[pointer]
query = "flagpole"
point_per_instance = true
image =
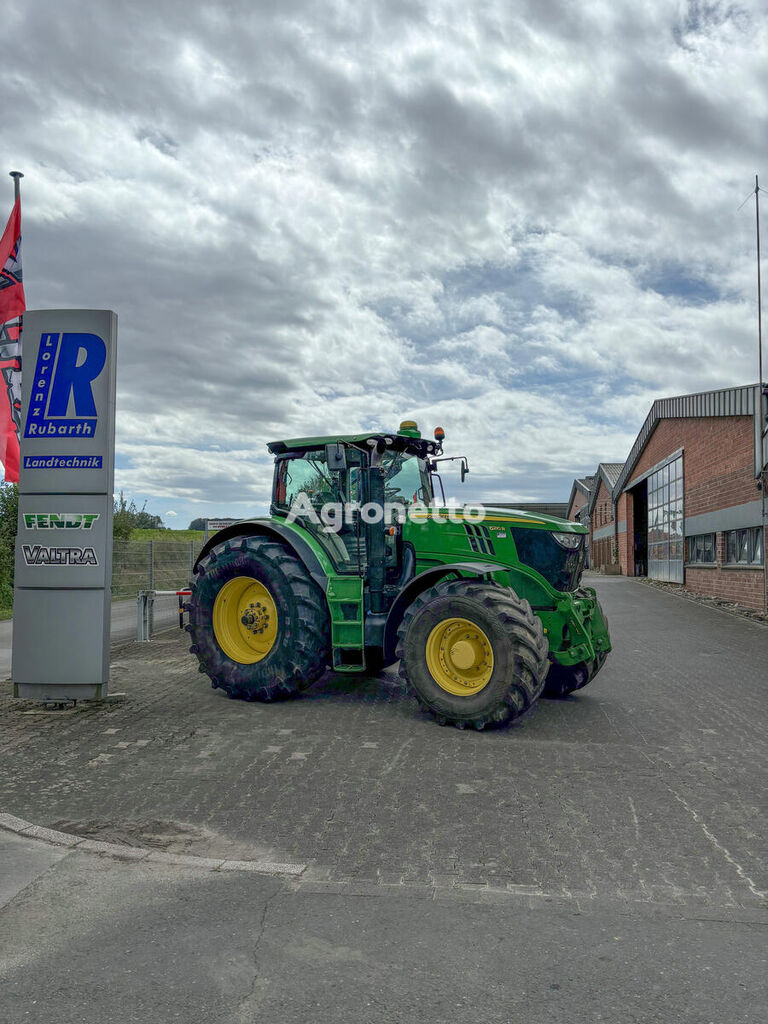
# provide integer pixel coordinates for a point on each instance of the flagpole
(763, 475)
(16, 175)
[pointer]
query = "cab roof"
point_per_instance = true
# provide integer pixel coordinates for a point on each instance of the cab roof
(394, 440)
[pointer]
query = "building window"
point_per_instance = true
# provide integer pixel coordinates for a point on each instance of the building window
(744, 547)
(700, 549)
(665, 522)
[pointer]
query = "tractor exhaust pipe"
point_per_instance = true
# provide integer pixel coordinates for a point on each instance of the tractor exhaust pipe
(375, 542)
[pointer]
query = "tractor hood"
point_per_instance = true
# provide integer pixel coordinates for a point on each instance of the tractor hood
(554, 548)
(518, 517)
(497, 516)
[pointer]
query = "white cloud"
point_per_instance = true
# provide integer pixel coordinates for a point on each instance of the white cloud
(515, 219)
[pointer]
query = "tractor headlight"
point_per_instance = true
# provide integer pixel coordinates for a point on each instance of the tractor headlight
(569, 540)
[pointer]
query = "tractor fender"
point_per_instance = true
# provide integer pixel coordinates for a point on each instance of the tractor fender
(418, 585)
(251, 528)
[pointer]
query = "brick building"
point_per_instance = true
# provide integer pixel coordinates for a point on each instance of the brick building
(578, 505)
(686, 506)
(604, 527)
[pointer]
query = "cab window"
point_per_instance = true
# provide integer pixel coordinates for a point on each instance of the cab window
(406, 480)
(306, 475)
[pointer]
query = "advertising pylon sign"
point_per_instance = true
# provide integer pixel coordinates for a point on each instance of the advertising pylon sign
(63, 570)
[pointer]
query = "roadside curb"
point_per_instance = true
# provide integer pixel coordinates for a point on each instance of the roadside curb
(10, 823)
(438, 890)
(702, 600)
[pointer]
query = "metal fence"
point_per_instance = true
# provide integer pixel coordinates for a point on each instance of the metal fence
(152, 565)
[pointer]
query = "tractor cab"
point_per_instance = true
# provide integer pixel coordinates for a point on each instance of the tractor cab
(333, 484)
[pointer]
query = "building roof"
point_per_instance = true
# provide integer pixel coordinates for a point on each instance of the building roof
(740, 401)
(609, 473)
(558, 509)
(583, 484)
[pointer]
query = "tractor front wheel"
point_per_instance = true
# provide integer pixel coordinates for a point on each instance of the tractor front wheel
(473, 653)
(259, 623)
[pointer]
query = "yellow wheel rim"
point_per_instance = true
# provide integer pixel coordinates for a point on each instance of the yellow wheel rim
(245, 620)
(459, 657)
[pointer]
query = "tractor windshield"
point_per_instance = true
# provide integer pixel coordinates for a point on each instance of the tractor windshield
(406, 478)
(307, 477)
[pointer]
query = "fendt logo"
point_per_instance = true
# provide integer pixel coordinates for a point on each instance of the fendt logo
(60, 520)
(61, 398)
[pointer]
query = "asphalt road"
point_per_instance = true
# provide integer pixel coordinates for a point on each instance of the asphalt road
(123, 626)
(603, 860)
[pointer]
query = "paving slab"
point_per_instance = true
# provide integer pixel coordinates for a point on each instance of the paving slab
(647, 786)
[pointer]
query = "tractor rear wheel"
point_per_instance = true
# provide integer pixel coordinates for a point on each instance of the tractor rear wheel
(473, 653)
(259, 623)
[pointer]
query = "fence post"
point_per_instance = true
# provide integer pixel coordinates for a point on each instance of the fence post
(151, 608)
(144, 603)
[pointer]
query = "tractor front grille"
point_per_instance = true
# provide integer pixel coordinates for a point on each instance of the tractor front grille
(479, 538)
(560, 567)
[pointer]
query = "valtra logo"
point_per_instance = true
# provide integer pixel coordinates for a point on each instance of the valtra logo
(39, 554)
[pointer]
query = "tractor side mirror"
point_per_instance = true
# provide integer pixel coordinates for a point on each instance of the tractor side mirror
(336, 457)
(464, 470)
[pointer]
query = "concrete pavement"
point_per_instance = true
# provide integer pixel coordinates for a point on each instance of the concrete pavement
(91, 939)
(604, 859)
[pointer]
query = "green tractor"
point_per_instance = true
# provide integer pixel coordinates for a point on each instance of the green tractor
(359, 565)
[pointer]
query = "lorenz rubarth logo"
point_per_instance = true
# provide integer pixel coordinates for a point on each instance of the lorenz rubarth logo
(38, 554)
(60, 520)
(61, 402)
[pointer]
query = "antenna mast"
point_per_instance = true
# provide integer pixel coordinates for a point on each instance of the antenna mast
(759, 288)
(764, 475)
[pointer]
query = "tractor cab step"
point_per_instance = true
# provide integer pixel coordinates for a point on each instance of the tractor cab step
(348, 659)
(345, 601)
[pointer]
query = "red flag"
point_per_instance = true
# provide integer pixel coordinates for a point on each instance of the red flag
(12, 305)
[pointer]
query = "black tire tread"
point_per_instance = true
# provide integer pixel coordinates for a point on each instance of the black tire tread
(531, 649)
(290, 671)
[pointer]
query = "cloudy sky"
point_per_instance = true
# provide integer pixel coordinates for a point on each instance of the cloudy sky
(514, 218)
